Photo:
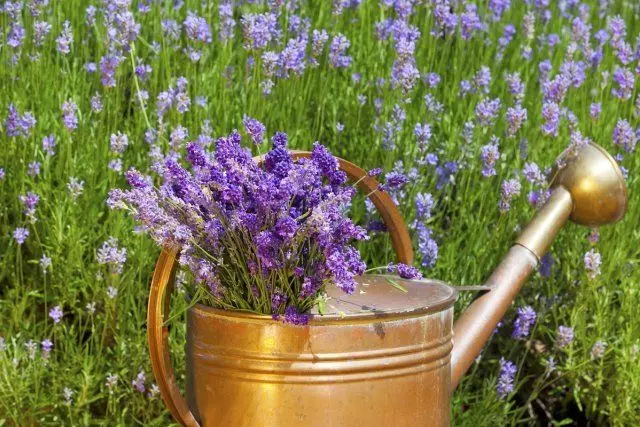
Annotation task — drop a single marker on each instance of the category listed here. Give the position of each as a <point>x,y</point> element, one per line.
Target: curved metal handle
<point>158,338</point>
<point>163,277</point>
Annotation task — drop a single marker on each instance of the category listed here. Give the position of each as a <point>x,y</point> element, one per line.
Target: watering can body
<point>383,356</point>
<point>372,360</point>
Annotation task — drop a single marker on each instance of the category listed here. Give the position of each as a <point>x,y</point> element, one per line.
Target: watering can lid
<point>389,296</point>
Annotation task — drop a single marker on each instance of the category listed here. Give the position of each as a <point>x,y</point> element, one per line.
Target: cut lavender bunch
<point>253,234</point>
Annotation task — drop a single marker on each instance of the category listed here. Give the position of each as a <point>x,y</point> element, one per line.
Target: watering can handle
<point>164,273</point>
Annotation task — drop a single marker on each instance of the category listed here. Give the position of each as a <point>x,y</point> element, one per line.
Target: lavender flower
<point>65,40</point>
<point>75,187</point>
<point>118,142</point>
<point>546,264</point>
<point>67,394</point>
<point>422,133</point>
<point>509,190</point>
<point>551,114</point>
<point>405,271</point>
<point>20,235</point>
<point>115,165</point>
<point>227,23</point>
<point>487,111</point>
<point>112,292</point>
<point>197,28</point>
<point>598,349</point>
<point>564,336</point>
<point>292,58</point>
<point>45,263</point>
<point>482,80</point>
<point>40,30</point>
<point>625,81</point>
<point>33,169</point>
<point>15,36</point>
<point>47,346</point>
<point>594,110</point>
<point>56,314</point>
<point>337,52</point>
<point>16,124</point>
<point>49,144</point>
<point>112,256</point>
<point>424,204</point>
<point>30,201</point>
<point>508,372</point>
<point>293,317</point>
<point>525,320</point>
<point>533,174</point>
<point>427,246</point>
<point>139,382</point>
<point>96,103</point>
<point>489,155</point>
<point>516,116</point>
<point>255,129</point>
<point>108,66</point>
<point>69,118</point>
<point>592,262</point>
<point>624,136</point>
<point>112,381</point>
<point>470,21</point>
<point>432,80</point>
<point>259,30</point>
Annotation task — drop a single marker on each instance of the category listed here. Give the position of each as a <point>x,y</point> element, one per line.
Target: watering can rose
<point>266,238</point>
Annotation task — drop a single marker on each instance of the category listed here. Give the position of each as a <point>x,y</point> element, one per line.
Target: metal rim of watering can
<point>164,273</point>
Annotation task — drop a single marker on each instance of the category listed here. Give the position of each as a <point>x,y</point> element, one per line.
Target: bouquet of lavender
<point>265,238</point>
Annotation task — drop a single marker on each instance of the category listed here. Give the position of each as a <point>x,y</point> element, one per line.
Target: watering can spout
<point>588,188</point>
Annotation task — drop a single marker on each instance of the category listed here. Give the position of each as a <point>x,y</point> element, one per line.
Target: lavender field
<point>465,105</point>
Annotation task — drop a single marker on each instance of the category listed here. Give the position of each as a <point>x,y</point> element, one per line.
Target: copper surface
<point>476,324</point>
<point>596,184</point>
<point>382,296</point>
<point>542,230</point>
<point>348,372</point>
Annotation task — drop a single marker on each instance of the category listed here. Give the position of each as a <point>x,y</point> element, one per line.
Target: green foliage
<point>471,232</point>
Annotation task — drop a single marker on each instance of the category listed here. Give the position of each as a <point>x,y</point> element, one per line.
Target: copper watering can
<point>380,357</point>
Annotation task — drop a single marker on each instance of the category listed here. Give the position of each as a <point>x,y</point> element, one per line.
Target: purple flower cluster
<point>251,233</point>
<point>490,155</point>
<point>177,98</point>
<point>260,29</point>
<point>405,271</point>
<point>508,372</point>
<point>525,320</point>
<point>624,136</point>
<point>592,262</point>
<point>17,124</point>
<point>112,256</point>
<point>487,111</point>
<point>20,235</point>
<point>564,336</point>
<point>69,117</point>
<point>338,57</point>
<point>56,314</point>
<point>255,129</point>
<point>510,189</point>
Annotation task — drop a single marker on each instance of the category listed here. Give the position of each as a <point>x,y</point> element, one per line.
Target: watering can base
<point>378,358</point>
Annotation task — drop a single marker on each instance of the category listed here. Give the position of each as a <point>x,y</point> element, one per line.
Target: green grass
<point>471,232</point>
